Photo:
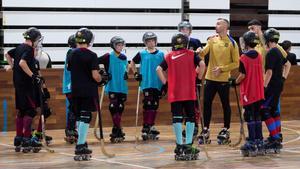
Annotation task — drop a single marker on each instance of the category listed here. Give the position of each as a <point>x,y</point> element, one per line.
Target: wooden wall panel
<point>290,100</point>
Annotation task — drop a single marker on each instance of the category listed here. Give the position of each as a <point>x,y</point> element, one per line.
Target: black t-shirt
<point>23,52</point>
<point>291,57</point>
<point>164,64</point>
<point>137,58</point>
<point>104,59</point>
<point>81,62</point>
<point>275,62</point>
<point>194,44</point>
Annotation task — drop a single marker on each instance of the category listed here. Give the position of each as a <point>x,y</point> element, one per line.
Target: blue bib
<point>149,63</point>
<point>66,87</point>
<point>117,69</point>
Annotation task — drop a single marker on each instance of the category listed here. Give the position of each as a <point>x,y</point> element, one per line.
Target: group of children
<point>184,67</point>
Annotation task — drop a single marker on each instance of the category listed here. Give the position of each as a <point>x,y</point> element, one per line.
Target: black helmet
<point>179,41</point>
<point>71,41</point>
<point>271,35</point>
<point>149,35</point>
<point>32,34</point>
<point>84,35</point>
<point>250,39</point>
<point>185,24</point>
<point>115,40</point>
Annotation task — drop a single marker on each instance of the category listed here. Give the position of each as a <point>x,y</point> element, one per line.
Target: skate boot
<point>249,148</point>
<point>149,132</point>
<point>36,145</point>
<point>153,134</point>
<point>224,137</point>
<point>82,153</point>
<point>190,152</point>
<point>18,143</point>
<point>203,138</point>
<point>39,135</point>
<point>272,145</point>
<point>26,145</point>
<point>260,147</point>
<point>179,154</point>
<point>71,136</point>
<point>117,135</point>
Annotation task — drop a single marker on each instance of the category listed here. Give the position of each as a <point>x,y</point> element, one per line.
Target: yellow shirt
<point>222,53</point>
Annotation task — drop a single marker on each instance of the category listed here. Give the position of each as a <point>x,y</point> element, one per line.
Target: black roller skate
<point>36,145</point>
<point>150,132</point>
<point>260,147</point>
<point>39,135</point>
<point>249,148</point>
<point>224,137</point>
<point>190,152</point>
<point>272,145</point>
<point>26,145</point>
<point>82,153</point>
<point>18,143</point>
<point>203,138</point>
<point>117,135</point>
<point>179,154</point>
<point>71,136</point>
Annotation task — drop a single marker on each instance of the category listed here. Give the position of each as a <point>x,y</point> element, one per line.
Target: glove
<point>164,89</point>
<point>232,82</point>
<point>105,77</point>
<point>137,76</point>
<point>125,76</point>
<point>46,93</point>
<point>37,79</point>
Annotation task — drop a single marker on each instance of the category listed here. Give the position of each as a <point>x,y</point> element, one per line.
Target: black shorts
<point>89,104</point>
<point>26,98</point>
<point>183,106</point>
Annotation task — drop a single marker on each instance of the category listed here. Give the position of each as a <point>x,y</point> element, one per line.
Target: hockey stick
<point>137,115</point>
<point>202,120</point>
<point>101,130</point>
<point>97,117</point>
<point>44,143</point>
<point>242,133</point>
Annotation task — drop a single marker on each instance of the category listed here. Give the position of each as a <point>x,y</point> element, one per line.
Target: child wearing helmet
<point>149,58</point>
<point>115,64</point>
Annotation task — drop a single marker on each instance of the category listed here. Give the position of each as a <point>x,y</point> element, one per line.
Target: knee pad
<point>120,107</point>
<point>30,112</point>
<point>47,110</point>
<point>151,102</point>
<point>113,105</point>
<point>177,118</point>
<point>85,116</point>
<point>249,116</point>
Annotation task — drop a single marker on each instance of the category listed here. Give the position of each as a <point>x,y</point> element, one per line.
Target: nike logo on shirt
<point>177,56</point>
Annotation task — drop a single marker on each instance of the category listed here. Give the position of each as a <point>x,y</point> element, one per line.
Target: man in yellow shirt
<point>223,57</point>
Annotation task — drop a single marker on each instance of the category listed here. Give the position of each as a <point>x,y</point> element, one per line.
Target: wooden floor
<point>151,154</point>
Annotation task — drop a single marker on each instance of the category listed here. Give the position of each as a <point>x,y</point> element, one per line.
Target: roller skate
<point>249,148</point>
<point>18,143</point>
<point>179,154</point>
<point>82,153</point>
<point>203,138</point>
<point>260,147</point>
<point>272,145</point>
<point>150,132</point>
<point>224,137</point>
<point>71,136</point>
<point>26,145</point>
<point>36,145</point>
<point>39,135</point>
<point>190,152</point>
<point>196,130</point>
<point>117,135</point>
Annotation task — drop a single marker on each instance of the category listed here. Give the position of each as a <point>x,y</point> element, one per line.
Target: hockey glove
<point>125,76</point>
<point>164,89</point>
<point>137,77</point>
<point>232,82</point>
<point>37,79</point>
<point>105,77</point>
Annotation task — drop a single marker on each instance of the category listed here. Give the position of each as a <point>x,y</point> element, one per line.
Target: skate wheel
<point>36,150</point>
<point>17,149</point>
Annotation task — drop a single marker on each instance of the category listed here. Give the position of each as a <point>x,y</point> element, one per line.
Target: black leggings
<point>210,90</point>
